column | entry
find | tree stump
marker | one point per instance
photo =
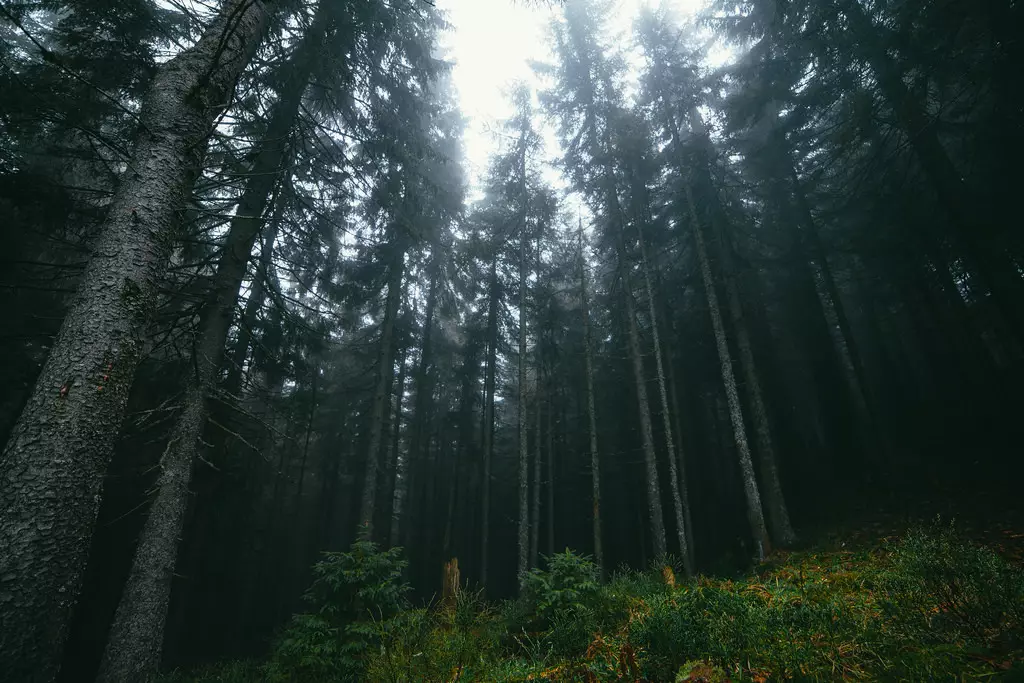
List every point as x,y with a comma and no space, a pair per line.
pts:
451,584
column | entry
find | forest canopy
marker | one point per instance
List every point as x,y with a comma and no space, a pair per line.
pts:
276,355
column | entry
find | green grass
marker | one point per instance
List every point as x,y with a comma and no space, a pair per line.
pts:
927,606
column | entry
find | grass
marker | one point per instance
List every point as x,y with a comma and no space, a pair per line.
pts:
929,605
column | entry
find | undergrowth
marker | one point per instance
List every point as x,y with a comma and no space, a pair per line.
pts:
928,606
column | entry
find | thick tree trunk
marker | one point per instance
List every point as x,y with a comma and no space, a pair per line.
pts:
385,369
595,462
52,468
657,521
755,514
488,419
675,481
136,637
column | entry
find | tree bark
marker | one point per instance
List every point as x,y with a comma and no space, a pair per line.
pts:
524,473
535,492
778,513
755,514
394,459
136,637
595,462
675,483
257,295
52,468
551,477
385,369
657,521
681,456
488,426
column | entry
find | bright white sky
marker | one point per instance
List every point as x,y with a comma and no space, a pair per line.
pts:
492,43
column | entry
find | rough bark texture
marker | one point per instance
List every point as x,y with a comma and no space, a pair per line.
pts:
136,637
385,369
488,426
595,462
52,469
755,514
646,431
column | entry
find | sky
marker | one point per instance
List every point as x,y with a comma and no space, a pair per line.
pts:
492,43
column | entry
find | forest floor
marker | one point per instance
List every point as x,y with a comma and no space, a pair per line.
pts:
890,598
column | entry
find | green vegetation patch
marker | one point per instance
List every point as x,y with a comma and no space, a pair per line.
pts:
928,606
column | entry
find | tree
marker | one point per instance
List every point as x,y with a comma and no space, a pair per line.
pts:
52,468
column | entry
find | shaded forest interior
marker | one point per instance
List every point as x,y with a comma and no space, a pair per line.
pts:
256,305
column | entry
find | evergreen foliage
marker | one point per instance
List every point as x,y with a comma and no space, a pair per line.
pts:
729,281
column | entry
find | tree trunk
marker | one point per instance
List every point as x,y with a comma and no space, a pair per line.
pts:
595,463
524,473
646,431
551,478
856,376
385,368
778,513
257,295
488,426
535,493
136,637
394,459
52,468
674,475
680,454
755,515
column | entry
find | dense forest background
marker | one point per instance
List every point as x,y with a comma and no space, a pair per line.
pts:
254,307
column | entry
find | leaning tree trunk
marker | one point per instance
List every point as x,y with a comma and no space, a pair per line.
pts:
755,514
595,463
850,352
385,369
257,296
52,468
136,637
646,430
778,513
675,481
